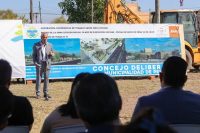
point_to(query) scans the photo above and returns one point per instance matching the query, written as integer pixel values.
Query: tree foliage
(80, 11)
(60, 19)
(9, 14)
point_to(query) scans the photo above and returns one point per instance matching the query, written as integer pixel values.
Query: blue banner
(115, 70)
(117, 50)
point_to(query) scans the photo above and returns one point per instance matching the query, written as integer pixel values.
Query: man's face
(44, 38)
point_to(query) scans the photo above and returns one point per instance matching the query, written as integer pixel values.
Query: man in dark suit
(22, 114)
(42, 54)
(177, 105)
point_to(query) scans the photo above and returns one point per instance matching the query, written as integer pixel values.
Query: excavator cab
(191, 27)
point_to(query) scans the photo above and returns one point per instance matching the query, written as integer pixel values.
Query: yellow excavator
(191, 26)
(115, 10)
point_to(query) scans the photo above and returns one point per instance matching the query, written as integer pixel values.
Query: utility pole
(92, 4)
(31, 11)
(36, 17)
(157, 10)
(40, 13)
(181, 2)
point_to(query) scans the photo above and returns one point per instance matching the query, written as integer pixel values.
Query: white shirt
(43, 52)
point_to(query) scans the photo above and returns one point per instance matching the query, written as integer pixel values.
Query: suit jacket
(177, 105)
(37, 53)
(103, 129)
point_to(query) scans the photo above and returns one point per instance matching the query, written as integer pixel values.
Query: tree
(24, 20)
(79, 11)
(60, 19)
(9, 14)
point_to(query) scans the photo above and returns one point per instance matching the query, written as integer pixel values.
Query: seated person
(64, 114)
(98, 103)
(176, 104)
(22, 112)
(6, 106)
(148, 120)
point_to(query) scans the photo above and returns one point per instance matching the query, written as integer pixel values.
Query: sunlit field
(130, 90)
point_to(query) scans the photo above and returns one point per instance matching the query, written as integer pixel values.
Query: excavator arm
(115, 8)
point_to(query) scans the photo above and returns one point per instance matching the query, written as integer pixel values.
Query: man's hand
(37, 65)
(51, 53)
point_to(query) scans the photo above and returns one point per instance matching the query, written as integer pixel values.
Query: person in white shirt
(42, 54)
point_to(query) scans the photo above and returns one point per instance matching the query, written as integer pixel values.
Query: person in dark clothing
(148, 120)
(22, 114)
(6, 106)
(98, 102)
(69, 107)
(64, 113)
(172, 100)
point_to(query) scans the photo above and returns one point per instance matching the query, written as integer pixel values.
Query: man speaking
(42, 54)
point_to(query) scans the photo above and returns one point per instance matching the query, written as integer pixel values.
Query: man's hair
(97, 99)
(43, 33)
(174, 71)
(6, 104)
(5, 72)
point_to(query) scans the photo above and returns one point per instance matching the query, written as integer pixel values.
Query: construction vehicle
(191, 26)
(116, 10)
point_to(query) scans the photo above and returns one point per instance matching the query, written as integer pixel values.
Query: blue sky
(68, 46)
(156, 44)
(147, 5)
(51, 10)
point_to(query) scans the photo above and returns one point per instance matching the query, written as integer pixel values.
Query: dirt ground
(130, 90)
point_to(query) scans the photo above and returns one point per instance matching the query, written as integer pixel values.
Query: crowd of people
(95, 102)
